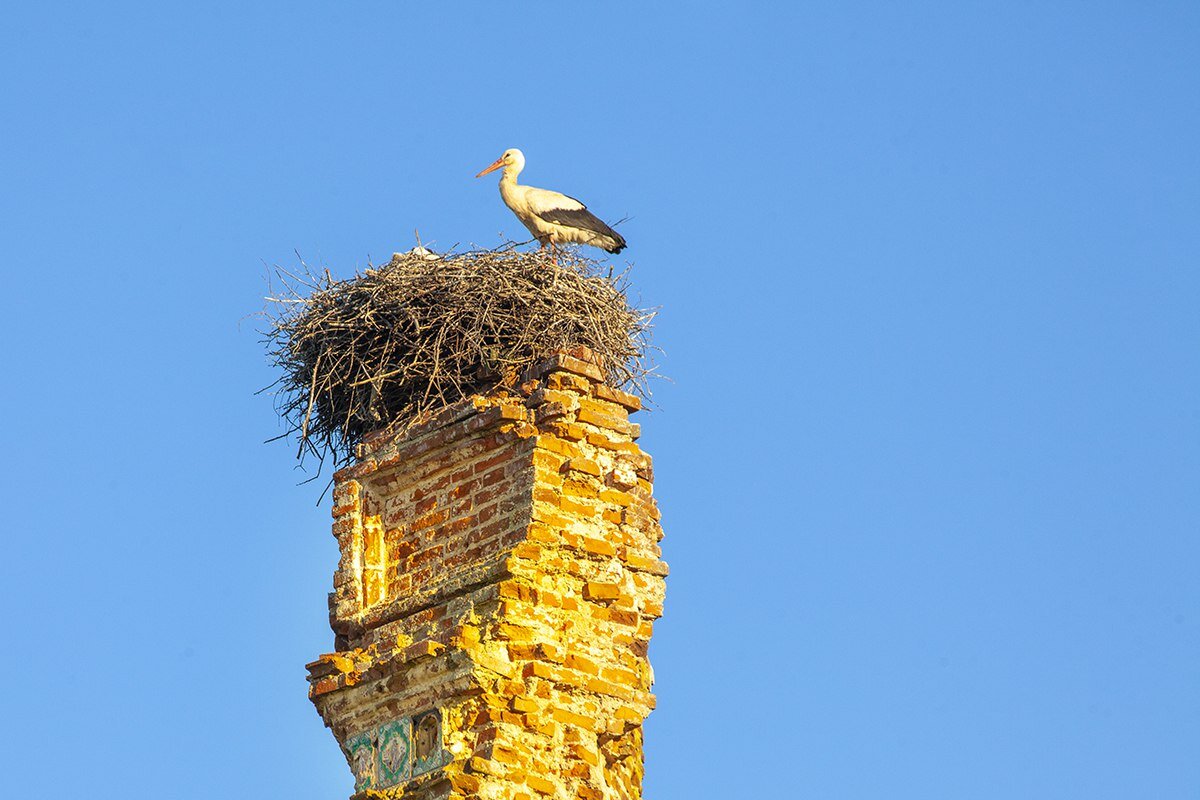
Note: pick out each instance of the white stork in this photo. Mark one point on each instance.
(551, 217)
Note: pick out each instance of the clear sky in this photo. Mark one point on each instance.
(930, 460)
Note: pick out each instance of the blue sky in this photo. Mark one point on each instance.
(930, 457)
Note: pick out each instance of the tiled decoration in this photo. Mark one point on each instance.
(397, 751)
(393, 749)
(427, 737)
(360, 752)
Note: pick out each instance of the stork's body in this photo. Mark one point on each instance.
(551, 217)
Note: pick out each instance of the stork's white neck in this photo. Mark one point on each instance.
(510, 174)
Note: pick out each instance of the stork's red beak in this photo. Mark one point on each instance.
(497, 164)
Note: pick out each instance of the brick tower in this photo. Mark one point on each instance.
(495, 596)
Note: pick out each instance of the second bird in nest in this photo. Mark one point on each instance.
(551, 217)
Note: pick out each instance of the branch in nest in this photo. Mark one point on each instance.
(426, 330)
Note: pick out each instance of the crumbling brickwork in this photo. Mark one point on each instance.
(499, 578)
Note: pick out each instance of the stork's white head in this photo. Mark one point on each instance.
(513, 159)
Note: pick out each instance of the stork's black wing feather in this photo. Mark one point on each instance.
(576, 218)
(584, 220)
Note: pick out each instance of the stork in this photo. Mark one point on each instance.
(551, 217)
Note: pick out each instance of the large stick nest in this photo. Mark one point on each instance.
(395, 342)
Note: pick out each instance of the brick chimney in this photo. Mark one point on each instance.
(495, 596)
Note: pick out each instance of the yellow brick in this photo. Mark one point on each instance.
(536, 669)
(527, 551)
(549, 516)
(541, 533)
(601, 547)
(518, 591)
(545, 460)
(601, 420)
(552, 396)
(546, 494)
(468, 635)
(580, 489)
(600, 440)
(467, 784)
(571, 718)
(540, 785)
(583, 664)
(596, 590)
(611, 689)
(509, 631)
(585, 465)
(586, 754)
(616, 497)
(652, 565)
(577, 508)
(565, 380)
(486, 715)
(623, 617)
(524, 704)
(622, 676)
(571, 678)
(628, 714)
(484, 765)
(628, 401)
(556, 445)
(504, 755)
(569, 430)
(522, 652)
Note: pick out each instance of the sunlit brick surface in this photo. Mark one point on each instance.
(499, 578)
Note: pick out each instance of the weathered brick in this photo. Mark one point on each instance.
(496, 523)
(556, 445)
(542, 533)
(601, 547)
(584, 465)
(541, 785)
(576, 488)
(524, 704)
(606, 392)
(582, 663)
(571, 718)
(651, 565)
(537, 669)
(587, 754)
(598, 590)
(623, 617)
(567, 382)
(465, 783)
